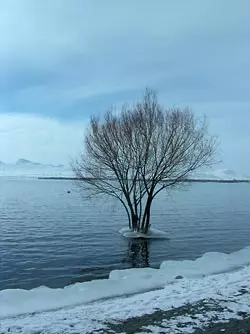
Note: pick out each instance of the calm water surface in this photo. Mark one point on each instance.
(49, 237)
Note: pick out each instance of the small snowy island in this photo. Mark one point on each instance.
(152, 234)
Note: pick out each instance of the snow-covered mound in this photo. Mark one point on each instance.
(209, 264)
(27, 168)
(120, 283)
(152, 234)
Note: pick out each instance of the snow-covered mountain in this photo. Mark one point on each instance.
(27, 168)
(25, 162)
(221, 174)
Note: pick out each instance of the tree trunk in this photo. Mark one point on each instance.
(134, 219)
(147, 222)
(146, 216)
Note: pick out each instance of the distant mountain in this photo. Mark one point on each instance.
(25, 162)
(26, 168)
(21, 162)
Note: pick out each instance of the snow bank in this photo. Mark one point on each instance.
(120, 283)
(16, 301)
(209, 264)
(222, 297)
(152, 234)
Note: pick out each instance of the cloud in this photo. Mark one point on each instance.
(39, 138)
(100, 47)
(61, 61)
(49, 140)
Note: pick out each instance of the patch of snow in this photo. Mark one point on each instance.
(210, 263)
(152, 234)
(137, 273)
(18, 301)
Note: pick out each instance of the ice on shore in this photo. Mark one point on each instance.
(152, 234)
(209, 264)
(121, 283)
(226, 295)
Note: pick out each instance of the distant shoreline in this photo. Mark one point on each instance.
(186, 180)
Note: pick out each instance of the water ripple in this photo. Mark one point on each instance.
(50, 238)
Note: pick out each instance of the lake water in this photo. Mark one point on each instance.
(54, 238)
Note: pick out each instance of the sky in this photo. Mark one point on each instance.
(62, 61)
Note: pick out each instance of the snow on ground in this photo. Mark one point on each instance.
(121, 282)
(152, 234)
(84, 307)
(86, 318)
(209, 264)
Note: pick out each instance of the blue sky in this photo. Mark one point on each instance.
(61, 61)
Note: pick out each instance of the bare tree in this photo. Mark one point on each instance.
(135, 154)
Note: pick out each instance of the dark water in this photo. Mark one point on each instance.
(49, 237)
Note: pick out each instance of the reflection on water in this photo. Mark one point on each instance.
(136, 256)
(138, 253)
(52, 239)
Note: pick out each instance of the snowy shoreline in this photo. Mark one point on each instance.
(223, 279)
(14, 302)
(181, 307)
